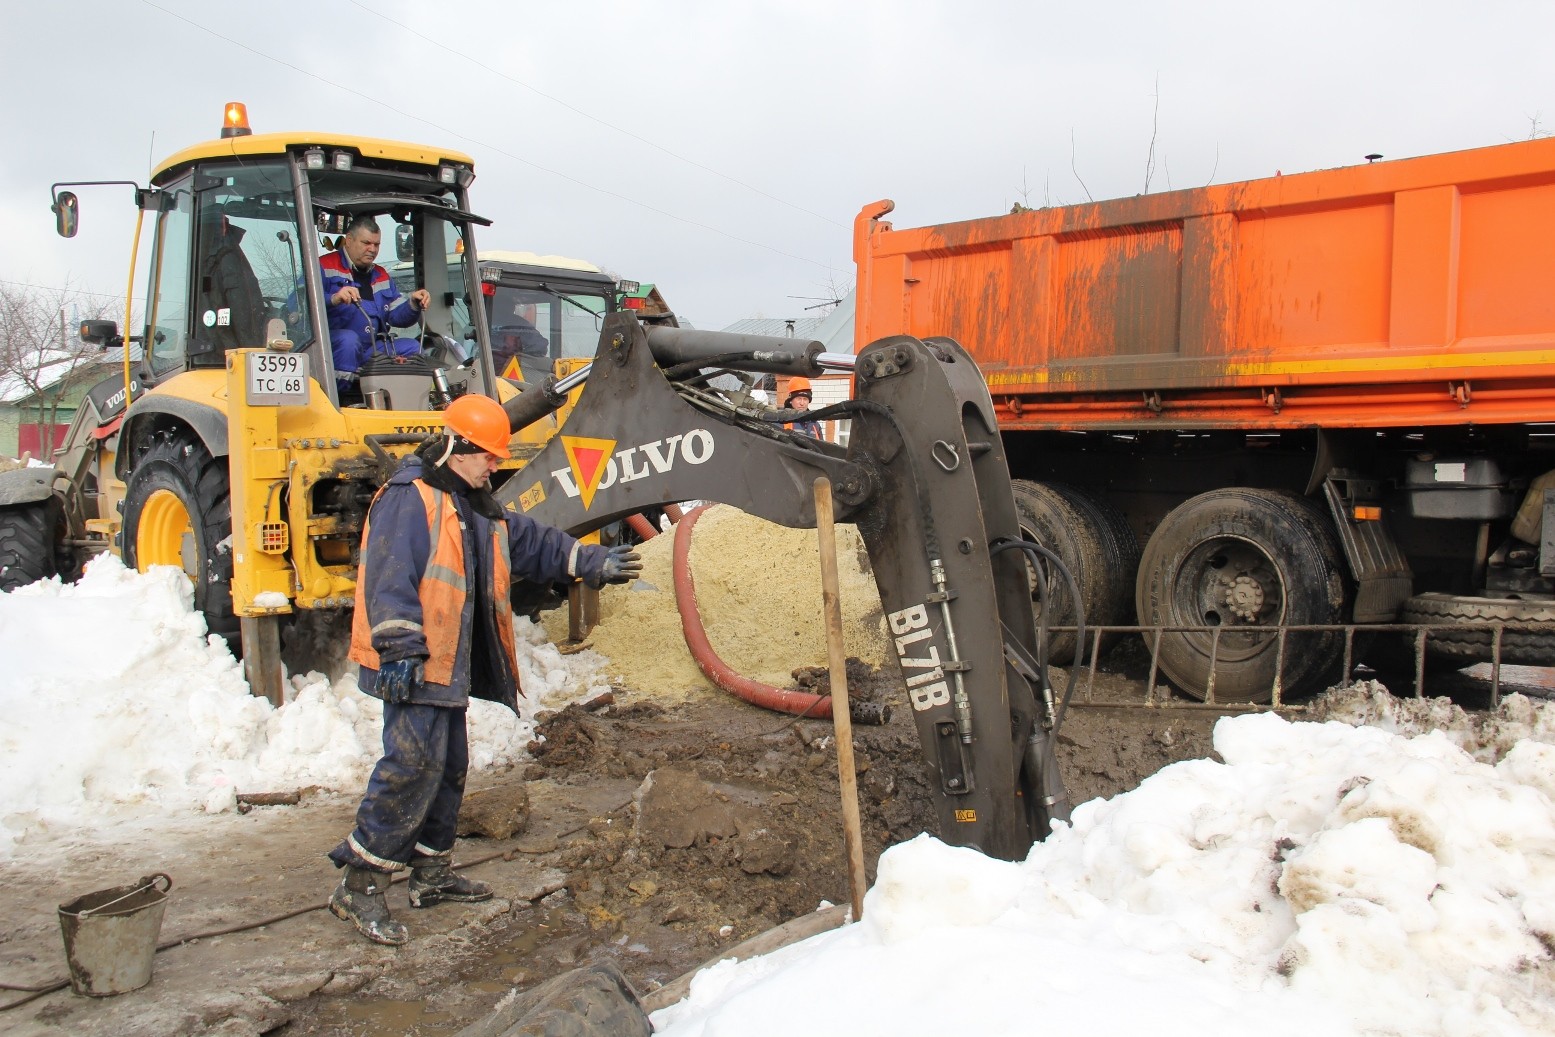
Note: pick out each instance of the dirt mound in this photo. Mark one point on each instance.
(735, 824)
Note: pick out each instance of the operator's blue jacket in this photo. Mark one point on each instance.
(384, 303)
(394, 559)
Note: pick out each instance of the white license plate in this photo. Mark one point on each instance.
(278, 379)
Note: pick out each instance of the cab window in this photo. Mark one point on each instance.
(248, 284)
(167, 320)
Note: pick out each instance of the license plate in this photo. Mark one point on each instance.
(278, 379)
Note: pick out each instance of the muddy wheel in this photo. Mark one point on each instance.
(30, 542)
(1531, 645)
(1243, 560)
(1096, 546)
(178, 511)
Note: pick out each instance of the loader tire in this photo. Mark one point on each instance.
(1531, 644)
(1096, 546)
(178, 511)
(29, 543)
(1241, 561)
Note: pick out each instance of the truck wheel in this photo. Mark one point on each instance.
(178, 511)
(29, 543)
(1096, 546)
(1531, 646)
(1243, 560)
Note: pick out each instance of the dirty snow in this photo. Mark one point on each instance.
(1396, 878)
(1324, 878)
(117, 704)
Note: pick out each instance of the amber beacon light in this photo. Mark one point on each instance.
(234, 120)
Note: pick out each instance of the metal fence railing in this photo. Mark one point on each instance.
(1417, 633)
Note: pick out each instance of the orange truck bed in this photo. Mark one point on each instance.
(1415, 292)
(1242, 413)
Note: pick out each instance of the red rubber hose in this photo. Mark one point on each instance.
(642, 527)
(800, 703)
(674, 512)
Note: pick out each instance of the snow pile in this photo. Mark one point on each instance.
(115, 697)
(1323, 879)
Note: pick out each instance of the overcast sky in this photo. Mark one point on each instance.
(723, 149)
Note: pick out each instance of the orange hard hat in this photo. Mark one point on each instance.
(798, 384)
(482, 421)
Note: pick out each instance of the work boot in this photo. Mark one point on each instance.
(432, 881)
(359, 899)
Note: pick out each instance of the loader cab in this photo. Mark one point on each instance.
(542, 309)
(240, 227)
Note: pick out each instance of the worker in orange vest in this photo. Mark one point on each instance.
(433, 627)
(798, 399)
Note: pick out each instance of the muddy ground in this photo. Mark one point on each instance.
(656, 837)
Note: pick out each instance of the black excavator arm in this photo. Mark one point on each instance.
(923, 477)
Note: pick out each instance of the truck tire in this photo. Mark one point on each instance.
(1241, 560)
(178, 511)
(29, 543)
(1533, 645)
(1097, 547)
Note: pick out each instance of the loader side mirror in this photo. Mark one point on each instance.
(100, 333)
(404, 243)
(67, 213)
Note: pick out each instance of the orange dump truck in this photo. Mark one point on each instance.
(1308, 400)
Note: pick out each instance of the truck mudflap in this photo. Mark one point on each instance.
(924, 478)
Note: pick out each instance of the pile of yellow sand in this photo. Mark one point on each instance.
(759, 587)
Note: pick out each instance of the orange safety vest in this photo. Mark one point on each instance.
(442, 592)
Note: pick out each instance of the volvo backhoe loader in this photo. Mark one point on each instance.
(236, 451)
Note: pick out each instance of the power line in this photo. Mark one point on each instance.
(594, 118)
(66, 289)
(483, 144)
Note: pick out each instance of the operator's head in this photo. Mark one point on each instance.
(361, 240)
(798, 397)
(476, 432)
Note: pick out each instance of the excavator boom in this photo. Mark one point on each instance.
(924, 479)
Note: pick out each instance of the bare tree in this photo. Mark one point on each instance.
(41, 352)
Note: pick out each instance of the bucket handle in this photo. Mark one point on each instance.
(146, 882)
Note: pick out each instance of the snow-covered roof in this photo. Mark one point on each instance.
(54, 365)
(44, 368)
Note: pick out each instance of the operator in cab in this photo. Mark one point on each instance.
(363, 301)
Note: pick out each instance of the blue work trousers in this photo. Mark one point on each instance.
(352, 349)
(411, 809)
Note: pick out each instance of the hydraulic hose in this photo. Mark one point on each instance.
(782, 700)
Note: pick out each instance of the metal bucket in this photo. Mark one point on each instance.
(111, 936)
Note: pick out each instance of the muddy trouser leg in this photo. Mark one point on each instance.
(432, 880)
(405, 786)
(406, 782)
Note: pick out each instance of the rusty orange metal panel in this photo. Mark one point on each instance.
(1410, 290)
(1313, 279)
